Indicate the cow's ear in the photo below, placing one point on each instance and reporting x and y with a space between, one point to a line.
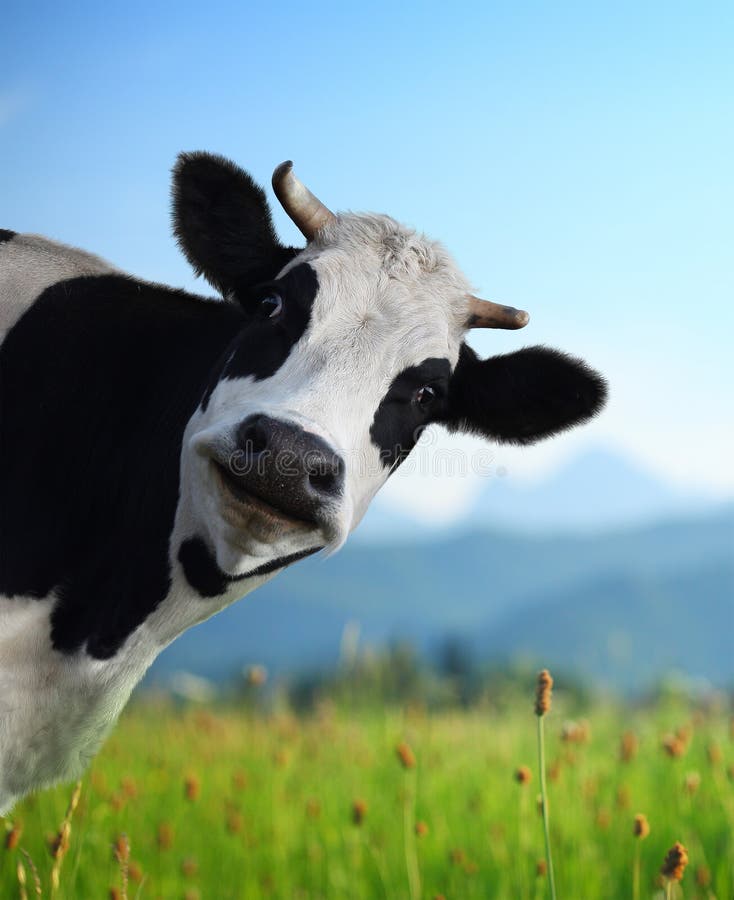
222 223
522 397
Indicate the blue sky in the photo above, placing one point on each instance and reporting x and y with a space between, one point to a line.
576 158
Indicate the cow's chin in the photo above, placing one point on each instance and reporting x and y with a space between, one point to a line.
255 518
253 531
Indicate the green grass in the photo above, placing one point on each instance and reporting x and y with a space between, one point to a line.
270 812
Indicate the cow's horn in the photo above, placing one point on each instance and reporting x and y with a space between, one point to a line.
307 211
485 314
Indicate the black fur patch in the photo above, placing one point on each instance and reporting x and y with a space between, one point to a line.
399 421
262 347
222 222
6 235
99 378
206 578
265 345
522 397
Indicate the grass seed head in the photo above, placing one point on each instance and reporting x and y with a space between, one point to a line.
122 848
523 775
457 857
576 732
421 829
192 787
675 862
12 838
541 868
543 691
692 783
714 754
359 811
703 876
239 780
129 787
628 746
135 871
165 836
405 755
256 676
234 822
20 874
189 867
554 770
641 827
674 746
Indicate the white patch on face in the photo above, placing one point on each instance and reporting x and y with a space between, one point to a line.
387 300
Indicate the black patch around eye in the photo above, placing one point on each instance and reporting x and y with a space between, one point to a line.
6 235
264 344
399 421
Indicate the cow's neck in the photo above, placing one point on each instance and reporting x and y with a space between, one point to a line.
90 445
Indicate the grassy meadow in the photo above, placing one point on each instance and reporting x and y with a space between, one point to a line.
228 803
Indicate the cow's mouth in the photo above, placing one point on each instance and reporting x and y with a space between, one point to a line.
244 510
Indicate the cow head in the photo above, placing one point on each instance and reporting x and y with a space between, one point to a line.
347 350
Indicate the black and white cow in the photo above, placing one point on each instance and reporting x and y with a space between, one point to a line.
163 454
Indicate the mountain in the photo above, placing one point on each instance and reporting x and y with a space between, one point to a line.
625 630
599 489
492 587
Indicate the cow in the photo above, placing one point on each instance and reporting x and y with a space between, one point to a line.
163 454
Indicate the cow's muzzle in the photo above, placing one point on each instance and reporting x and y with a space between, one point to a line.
283 470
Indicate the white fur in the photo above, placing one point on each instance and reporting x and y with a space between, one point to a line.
29 264
388 299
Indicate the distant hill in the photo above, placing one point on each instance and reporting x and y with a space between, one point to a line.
626 629
597 490
561 597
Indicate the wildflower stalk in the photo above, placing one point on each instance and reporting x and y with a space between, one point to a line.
34 873
673 867
60 845
640 830
542 706
523 777
20 872
411 857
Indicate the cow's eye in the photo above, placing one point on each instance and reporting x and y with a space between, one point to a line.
271 306
424 396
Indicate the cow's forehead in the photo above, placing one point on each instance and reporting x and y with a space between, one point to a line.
382 286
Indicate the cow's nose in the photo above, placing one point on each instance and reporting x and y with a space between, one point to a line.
286 466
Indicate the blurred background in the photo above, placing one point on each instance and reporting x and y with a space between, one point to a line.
576 160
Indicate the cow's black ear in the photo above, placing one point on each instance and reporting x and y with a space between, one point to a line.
222 223
522 397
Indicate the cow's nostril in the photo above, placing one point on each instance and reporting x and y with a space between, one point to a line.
253 437
324 472
323 482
